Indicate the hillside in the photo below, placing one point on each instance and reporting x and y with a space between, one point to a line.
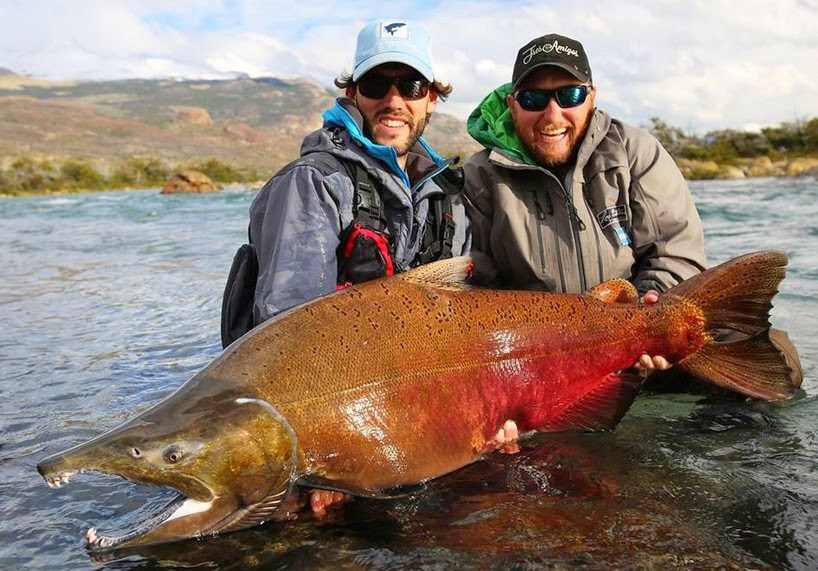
250 124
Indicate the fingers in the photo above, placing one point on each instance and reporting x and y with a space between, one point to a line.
506 438
320 500
508 434
656 363
651 296
646 363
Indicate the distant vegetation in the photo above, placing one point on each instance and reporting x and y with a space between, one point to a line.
40 176
698 156
780 147
77 136
799 138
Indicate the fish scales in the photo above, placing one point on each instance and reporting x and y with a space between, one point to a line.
318 369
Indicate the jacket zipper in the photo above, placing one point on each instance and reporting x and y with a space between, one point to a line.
577 226
541 220
589 206
541 215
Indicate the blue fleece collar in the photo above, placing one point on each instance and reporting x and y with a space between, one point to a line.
339 116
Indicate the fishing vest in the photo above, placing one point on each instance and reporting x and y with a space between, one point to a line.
365 251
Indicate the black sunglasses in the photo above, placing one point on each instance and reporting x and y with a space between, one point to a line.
566 97
374 86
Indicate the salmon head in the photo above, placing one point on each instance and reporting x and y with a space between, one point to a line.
195 445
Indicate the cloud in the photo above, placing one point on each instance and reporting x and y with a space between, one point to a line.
698 64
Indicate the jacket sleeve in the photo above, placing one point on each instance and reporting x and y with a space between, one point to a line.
666 227
295 226
480 211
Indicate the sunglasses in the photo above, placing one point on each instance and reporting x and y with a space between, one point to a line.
566 97
411 87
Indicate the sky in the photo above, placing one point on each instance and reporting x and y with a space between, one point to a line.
699 65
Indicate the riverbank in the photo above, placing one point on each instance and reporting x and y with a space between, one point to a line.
748 168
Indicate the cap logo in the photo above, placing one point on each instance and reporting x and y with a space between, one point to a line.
395 30
548 48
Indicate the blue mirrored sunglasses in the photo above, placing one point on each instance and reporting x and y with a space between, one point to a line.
566 97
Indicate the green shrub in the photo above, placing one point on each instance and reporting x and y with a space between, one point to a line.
218 171
79 175
139 173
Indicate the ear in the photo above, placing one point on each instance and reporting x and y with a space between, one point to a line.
350 91
511 107
432 103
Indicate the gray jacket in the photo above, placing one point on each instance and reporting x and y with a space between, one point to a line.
297 218
624 211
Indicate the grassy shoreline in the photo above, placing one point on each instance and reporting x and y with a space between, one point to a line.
32 176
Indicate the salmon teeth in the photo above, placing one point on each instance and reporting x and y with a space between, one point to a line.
60 479
98 541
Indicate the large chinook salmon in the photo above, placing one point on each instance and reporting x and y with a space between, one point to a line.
396 381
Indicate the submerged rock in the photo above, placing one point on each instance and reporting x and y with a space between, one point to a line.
189 181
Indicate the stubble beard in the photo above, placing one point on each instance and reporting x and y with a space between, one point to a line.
415 132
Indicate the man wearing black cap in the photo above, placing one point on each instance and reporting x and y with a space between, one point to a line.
565 197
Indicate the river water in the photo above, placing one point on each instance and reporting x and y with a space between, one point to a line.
109 301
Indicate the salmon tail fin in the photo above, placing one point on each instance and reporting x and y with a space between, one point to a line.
752 366
735 299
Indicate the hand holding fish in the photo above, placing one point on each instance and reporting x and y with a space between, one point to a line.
647 364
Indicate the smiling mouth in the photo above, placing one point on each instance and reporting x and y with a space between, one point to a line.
393 123
552 134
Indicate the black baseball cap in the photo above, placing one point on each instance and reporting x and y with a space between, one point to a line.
552 49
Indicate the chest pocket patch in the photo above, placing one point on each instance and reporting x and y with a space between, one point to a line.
617 217
612 215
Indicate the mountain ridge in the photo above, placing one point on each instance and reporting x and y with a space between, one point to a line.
248 123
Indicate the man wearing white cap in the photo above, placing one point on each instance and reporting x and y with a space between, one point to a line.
367 198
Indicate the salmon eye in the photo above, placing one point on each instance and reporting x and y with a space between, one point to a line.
134 452
172 454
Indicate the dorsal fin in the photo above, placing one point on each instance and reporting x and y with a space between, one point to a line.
617 290
451 273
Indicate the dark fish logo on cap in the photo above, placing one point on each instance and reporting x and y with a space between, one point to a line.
392 28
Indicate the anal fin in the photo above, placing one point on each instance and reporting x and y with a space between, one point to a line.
602 407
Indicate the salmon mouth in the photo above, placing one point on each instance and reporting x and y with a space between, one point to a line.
96 542
179 506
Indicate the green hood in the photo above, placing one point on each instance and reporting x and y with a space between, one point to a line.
491 125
